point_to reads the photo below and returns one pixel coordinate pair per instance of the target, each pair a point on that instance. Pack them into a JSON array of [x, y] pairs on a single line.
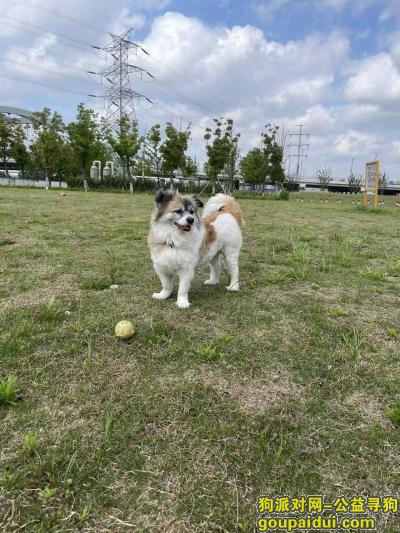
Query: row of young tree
[[355, 182], [60, 151]]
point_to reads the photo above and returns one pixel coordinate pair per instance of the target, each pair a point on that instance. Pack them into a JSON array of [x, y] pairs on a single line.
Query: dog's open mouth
[[183, 228]]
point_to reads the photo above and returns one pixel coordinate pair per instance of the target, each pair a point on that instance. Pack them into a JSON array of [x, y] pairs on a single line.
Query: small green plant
[[8, 390], [326, 266], [208, 352], [225, 338], [337, 312], [315, 286], [47, 494], [30, 445], [111, 266], [371, 274], [394, 333], [394, 413], [337, 237], [393, 268], [52, 311], [95, 284], [84, 514], [353, 342]]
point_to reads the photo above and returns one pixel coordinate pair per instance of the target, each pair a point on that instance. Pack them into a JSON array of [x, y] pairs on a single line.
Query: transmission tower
[[300, 148], [119, 96]]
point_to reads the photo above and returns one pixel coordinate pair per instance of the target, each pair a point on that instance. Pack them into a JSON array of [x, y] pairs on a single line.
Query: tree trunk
[[128, 169], [6, 167]]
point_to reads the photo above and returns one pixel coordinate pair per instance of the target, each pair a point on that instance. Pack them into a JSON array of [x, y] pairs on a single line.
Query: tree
[[273, 152], [85, 138], [19, 151], [7, 141], [354, 183], [222, 150], [126, 143], [382, 183], [152, 150], [173, 149], [254, 167], [47, 148], [190, 168], [324, 177]]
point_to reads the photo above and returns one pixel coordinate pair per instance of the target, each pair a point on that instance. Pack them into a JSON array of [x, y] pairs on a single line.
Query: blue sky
[[333, 65]]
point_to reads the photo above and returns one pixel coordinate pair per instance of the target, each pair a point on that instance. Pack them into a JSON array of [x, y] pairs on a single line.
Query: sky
[[332, 65]]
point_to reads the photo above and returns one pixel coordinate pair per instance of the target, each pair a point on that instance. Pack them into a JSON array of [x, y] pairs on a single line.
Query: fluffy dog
[[179, 241]]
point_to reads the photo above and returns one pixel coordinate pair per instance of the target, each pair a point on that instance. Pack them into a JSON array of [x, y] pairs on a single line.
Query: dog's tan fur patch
[[232, 207], [175, 203], [211, 234]]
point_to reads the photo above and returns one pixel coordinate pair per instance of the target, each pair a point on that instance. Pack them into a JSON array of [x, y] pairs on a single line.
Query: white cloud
[[376, 79]]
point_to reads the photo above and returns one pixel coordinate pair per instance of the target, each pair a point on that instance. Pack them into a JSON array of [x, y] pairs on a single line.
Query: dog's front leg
[[185, 279], [167, 285]]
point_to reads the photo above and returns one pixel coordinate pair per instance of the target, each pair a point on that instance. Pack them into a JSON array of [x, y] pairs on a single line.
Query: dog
[[180, 240]]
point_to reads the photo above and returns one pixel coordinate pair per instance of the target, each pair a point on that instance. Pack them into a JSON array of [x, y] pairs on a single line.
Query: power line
[[52, 72], [55, 87]]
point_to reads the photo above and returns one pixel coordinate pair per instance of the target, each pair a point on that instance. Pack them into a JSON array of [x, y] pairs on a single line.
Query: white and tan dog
[[179, 241]]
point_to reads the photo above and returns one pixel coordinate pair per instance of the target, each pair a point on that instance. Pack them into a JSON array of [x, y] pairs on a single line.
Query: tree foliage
[[222, 151], [85, 139], [125, 143], [324, 177], [173, 149], [8, 136], [152, 150], [254, 167], [354, 183], [48, 146], [273, 152]]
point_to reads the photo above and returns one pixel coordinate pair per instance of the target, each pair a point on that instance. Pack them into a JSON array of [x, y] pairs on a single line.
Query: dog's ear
[[163, 197], [197, 202]]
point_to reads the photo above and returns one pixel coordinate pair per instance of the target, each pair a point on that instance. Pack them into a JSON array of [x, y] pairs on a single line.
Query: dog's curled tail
[[223, 203]]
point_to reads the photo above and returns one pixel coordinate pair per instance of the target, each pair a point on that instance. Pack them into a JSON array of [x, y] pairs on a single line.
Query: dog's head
[[181, 211]]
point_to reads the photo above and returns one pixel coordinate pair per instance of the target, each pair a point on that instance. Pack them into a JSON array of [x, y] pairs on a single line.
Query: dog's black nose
[[190, 220]]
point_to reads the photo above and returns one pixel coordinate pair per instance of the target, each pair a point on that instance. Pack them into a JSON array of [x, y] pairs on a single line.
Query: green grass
[[289, 387]]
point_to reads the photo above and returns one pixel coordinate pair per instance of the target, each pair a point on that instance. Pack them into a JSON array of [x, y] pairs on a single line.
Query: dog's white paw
[[233, 288], [161, 295], [182, 303], [211, 282]]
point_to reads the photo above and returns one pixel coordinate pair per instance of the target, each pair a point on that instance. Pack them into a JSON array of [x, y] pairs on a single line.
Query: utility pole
[[119, 95], [299, 145]]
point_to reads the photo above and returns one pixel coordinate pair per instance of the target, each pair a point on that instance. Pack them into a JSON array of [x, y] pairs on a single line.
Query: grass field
[[288, 388]]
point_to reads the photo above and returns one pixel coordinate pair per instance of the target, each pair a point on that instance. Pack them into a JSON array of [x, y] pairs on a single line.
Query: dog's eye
[[191, 211], [179, 211]]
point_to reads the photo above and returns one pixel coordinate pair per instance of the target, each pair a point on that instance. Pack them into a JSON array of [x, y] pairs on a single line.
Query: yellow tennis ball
[[124, 329]]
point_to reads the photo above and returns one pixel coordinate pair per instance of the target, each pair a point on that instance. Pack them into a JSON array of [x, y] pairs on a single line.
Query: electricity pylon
[[300, 152], [120, 96]]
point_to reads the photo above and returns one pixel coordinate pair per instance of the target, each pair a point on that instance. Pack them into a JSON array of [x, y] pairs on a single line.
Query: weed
[[30, 445], [52, 311], [353, 342], [95, 284], [337, 312], [394, 413], [111, 267], [394, 333], [47, 494], [8, 390], [208, 352], [371, 274]]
